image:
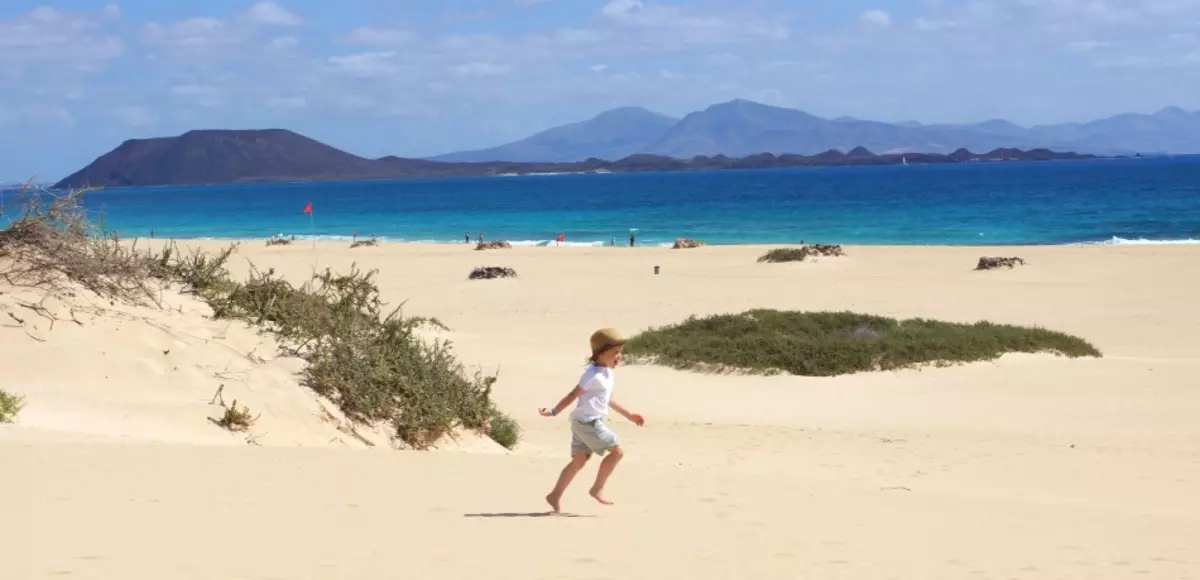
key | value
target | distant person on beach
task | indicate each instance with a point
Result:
(468, 238)
(632, 239)
(589, 435)
(481, 237)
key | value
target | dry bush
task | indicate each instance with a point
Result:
(990, 263)
(779, 255)
(496, 245)
(51, 245)
(279, 242)
(686, 243)
(236, 419)
(490, 272)
(364, 243)
(800, 254)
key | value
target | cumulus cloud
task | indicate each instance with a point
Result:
(365, 64)
(379, 37)
(205, 34)
(877, 18)
(135, 116)
(293, 102)
(284, 42)
(654, 25)
(193, 33)
(620, 8)
(48, 36)
(202, 95)
(271, 14)
(481, 69)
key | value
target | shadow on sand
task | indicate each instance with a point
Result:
(527, 515)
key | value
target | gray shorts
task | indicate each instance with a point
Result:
(592, 437)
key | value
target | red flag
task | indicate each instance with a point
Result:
(308, 209)
(562, 237)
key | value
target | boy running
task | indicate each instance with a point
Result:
(589, 434)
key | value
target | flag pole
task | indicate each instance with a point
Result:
(312, 226)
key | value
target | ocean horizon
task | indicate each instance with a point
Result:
(1107, 201)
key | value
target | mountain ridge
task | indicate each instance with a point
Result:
(742, 127)
(612, 134)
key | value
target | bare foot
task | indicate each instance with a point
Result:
(599, 495)
(553, 501)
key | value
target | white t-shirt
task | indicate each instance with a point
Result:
(597, 385)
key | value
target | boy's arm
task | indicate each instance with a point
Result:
(633, 417)
(563, 404)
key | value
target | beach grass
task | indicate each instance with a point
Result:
(779, 255)
(10, 406)
(368, 360)
(837, 343)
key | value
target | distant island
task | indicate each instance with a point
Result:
(215, 157)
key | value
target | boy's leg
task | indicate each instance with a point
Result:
(564, 478)
(606, 468)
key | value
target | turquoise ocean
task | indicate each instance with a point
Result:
(1102, 201)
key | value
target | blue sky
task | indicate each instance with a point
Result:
(420, 77)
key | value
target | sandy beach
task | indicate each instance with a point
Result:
(1028, 467)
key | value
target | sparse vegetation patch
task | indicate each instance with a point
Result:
(368, 360)
(836, 343)
(10, 406)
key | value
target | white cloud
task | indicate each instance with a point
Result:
(598, 68)
(46, 35)
(203, 95)
(284, 42)
(481, 69)
(135, 116)
(619, 8)
(271, 14)
(722, 59)
(365, 64)
(877, 18)
(205, 35)
(927, 25)
(666, 26)
(378, 37)
(1087, 45)
(287, 102)
(191, 34)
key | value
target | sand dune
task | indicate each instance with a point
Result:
(1031, 466)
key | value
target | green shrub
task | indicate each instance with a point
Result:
(10, 406)
(835, 343)
(785, 255)
(371, 363)
(504, 430)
